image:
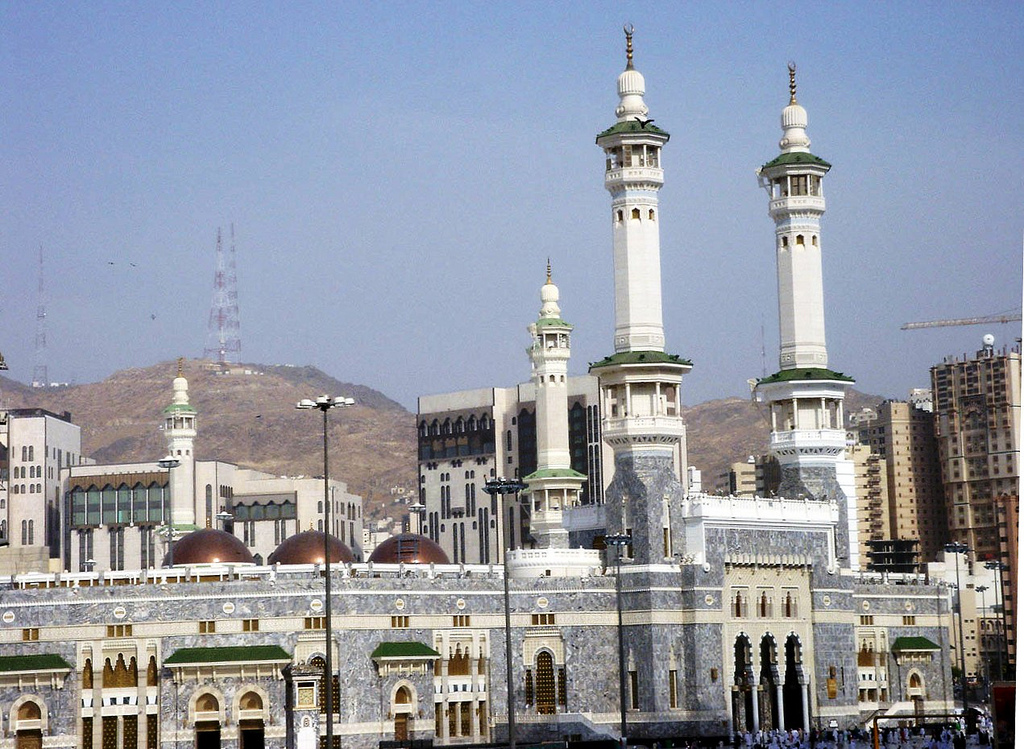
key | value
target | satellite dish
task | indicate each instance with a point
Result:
(988, 339)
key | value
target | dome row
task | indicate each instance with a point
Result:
(212, 546)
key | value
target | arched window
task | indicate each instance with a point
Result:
(250, 701)
(635, 214)
(207, 703)
(87, 674)
(29, 711)
(152, 675)
(915, 681)
(799, 238)
(403, 696)
(650, 214)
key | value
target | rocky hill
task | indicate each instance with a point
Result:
(248, 416)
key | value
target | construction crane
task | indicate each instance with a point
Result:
(1002, 318)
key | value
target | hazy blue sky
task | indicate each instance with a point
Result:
(398, 173)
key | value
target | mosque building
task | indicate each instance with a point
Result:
(710, 614)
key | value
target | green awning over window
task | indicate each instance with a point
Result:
(404, 650)
(913, 643)
(44, 662)
(246, 653)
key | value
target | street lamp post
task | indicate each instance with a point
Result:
(619, 541)
(502, 487)
(958, 549)
(169, 463)
(1003, 644)
(325, 403)
(981, 638)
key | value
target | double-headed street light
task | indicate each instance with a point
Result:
(958, 549)
(502, 487)
(620, 541)
(169, 463)
(998, 567)
(325, 403)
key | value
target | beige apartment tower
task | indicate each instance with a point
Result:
(903, 434)
(977, 423)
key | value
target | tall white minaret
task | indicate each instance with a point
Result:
(554, 486)
(805, 397)
(639, 383)
(180, 433)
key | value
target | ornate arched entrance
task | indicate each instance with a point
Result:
(794, 691)
(250, 721)
(207, 716)
(770, 696)
(28, 729)
(402, 708)
(545, 683)
(743, 716)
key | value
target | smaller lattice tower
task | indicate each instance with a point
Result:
(39, 374)
(222, 338)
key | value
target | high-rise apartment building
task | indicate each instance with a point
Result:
(977, 423)
(468, 437)
(35, 445)
(904, 436)
(871, 479)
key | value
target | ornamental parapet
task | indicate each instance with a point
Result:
(712, 507)
(523, 563)
(812, 203)
(641, 174)
(808, 442)
(644, 430)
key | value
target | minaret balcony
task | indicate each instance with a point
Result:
(643, 430)
(824, 442)
(796, 203)
(635, 174)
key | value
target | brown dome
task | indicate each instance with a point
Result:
(410, 549)
(308, 548)
(209, 546)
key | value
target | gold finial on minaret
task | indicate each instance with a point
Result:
(181, 366)
(549, 270)
(792, 82)
(628, 28)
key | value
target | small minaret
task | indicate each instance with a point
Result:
(639, 383)
(180, 432)
(805, 397)
(554, 485)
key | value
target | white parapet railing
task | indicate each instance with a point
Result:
(710, 507)
(525, 563)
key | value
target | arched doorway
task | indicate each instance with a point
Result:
(793, 688)
(769, 697)
(403, 703)
(545, 683)
(743, 686)
(207, 722)
(250, 721)
(28, 731)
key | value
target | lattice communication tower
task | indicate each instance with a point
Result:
(222, 340)
(40, 379)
